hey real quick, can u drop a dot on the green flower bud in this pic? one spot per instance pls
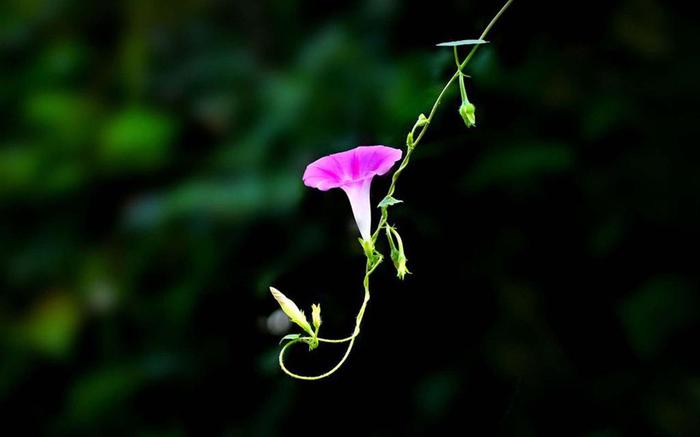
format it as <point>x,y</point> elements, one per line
<point>291,310</point>
<point>316,316</point>
<point>468,113</point>
<point>399,259</point>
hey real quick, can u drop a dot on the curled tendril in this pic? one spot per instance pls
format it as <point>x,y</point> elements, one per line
<point>374,258</point>
<point>372,264</point>
<point>317,377</point>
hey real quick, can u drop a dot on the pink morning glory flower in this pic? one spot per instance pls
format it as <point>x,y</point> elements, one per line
<point>353,171</point>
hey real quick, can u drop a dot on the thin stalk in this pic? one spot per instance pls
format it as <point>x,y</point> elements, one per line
<point>373,263</point>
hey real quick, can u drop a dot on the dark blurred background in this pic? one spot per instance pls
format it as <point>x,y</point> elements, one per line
<point>150,191</point>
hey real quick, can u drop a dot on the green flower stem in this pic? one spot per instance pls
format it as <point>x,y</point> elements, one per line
<point>317,377</point>
<point>485,32</point>
<point>385,213</point>
<point>335,340</point>
<point>374,258</point>
<point>371,266</point>
<point>462,89</point>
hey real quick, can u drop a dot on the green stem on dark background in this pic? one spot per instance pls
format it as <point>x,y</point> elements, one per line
<point>374,258</point>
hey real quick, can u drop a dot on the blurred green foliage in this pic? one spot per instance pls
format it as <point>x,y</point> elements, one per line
<point>150,192</point>
<point>136,139</point>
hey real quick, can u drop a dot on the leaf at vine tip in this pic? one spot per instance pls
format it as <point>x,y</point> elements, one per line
<point>291,310</point>
<point>388,201</point>
<point>289,337</point>
<point>464,42</point>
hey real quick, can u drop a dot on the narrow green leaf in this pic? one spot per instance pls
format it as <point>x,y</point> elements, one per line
<point>464,42</point>
<point>388,201</point>
<point>289,337</point>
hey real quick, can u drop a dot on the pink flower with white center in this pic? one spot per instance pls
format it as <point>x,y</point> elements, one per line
<point>353,171</point>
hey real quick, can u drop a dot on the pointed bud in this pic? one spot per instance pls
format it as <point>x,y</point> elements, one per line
<point>398,257</point>
<point>291,310</point>
<point>468,113</point>
<point>422,120</point>
<point>316,316</point>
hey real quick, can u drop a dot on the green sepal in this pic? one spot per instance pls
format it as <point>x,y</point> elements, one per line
<point>312,342</point>
<point>468,113</point>
<point>373,256</point>
<point>367,247</point>
<point>399,259</point>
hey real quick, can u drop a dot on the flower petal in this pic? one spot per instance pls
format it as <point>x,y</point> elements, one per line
<point>339,169</point>
<point>353,171</point>
<point>358,194</point>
